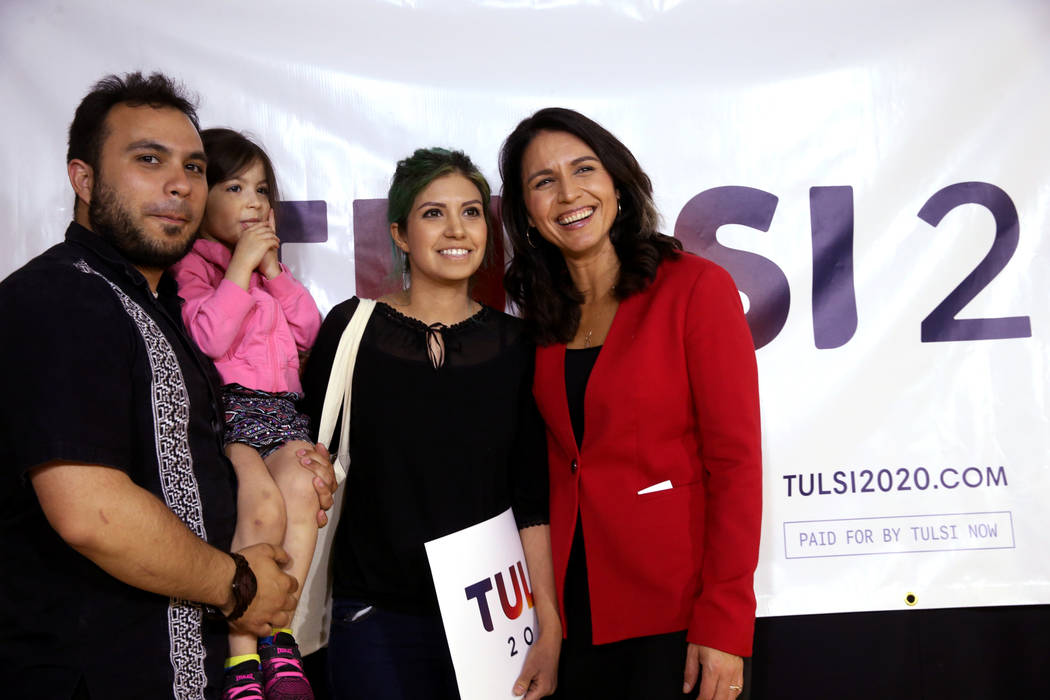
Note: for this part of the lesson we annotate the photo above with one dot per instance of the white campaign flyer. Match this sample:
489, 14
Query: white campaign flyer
485, 596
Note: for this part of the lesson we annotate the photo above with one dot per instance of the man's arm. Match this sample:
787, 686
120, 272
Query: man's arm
134, 537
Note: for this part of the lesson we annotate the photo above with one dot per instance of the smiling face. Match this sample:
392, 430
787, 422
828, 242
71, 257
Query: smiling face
569, 195
236, 203
148, 193
445, 233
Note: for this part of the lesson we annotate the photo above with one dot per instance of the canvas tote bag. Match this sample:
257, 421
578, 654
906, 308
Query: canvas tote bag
314, 614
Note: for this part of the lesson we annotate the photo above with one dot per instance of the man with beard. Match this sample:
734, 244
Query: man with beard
116, 502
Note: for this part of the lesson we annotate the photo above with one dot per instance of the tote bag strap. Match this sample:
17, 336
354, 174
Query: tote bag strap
340, 383
313, 615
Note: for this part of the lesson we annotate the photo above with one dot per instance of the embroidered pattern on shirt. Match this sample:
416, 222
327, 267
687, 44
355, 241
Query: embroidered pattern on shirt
171, 412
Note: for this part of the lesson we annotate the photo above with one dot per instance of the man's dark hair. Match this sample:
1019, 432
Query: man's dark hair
88, 130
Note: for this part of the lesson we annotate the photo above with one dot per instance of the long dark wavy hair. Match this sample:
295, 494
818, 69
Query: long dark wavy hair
537, 279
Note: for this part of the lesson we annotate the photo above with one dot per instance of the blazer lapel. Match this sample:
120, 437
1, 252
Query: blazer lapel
549, 390
605, 385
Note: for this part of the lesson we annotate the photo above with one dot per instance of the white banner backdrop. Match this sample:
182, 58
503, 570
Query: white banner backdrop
875, 172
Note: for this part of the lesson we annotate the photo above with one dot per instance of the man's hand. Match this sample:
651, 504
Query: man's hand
275, 598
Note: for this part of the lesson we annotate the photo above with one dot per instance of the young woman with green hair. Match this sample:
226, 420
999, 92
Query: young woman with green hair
444, 434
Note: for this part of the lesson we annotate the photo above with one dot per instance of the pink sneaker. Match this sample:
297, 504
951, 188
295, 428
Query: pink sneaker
243, 682
282, 668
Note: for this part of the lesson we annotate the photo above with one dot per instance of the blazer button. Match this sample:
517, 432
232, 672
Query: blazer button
574, 466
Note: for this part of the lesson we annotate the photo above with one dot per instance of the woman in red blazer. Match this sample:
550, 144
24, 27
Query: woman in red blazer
647, 380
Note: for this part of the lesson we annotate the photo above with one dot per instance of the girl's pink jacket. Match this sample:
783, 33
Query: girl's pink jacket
254, 337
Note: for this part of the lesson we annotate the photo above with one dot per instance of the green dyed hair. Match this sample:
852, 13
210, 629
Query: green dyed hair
412, 176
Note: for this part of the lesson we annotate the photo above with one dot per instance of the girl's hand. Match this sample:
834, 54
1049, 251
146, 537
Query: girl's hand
270, 267
257, 241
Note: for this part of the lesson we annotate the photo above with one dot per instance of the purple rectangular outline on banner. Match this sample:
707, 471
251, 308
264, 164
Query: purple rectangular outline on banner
303, 221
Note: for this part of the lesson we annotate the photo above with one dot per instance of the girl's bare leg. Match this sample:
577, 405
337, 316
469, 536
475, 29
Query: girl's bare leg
301, 505
260, 516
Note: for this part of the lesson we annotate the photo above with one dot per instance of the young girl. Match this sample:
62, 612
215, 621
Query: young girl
250, 315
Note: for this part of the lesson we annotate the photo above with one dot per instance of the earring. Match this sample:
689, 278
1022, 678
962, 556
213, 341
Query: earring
619, 207
528, 238
406, 272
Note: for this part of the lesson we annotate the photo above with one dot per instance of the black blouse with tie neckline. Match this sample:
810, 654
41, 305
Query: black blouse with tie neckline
434, 449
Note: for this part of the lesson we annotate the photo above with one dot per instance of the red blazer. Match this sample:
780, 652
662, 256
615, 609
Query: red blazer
672, 396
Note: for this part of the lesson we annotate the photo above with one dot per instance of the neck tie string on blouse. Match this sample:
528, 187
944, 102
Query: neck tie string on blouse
436, 344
